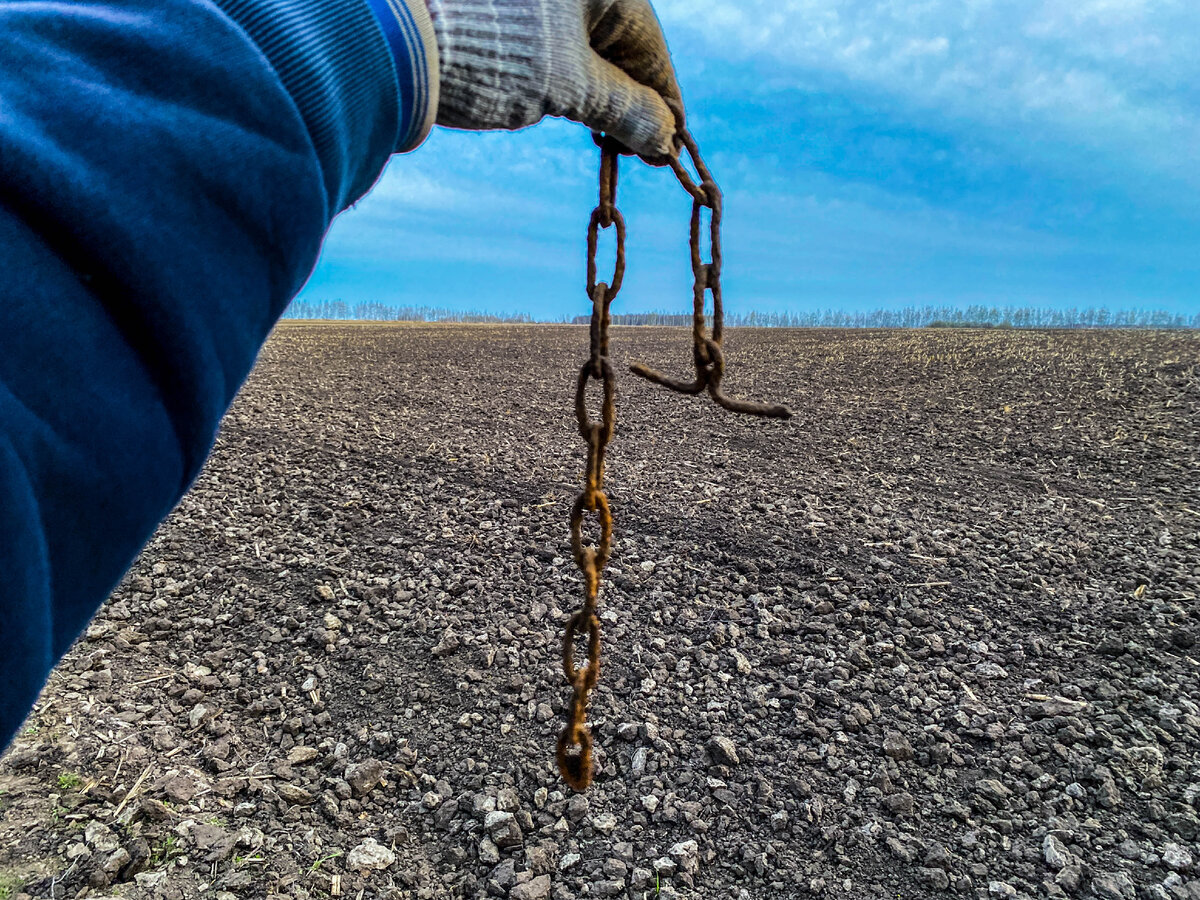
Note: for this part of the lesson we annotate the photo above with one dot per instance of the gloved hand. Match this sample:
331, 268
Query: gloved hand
605, 63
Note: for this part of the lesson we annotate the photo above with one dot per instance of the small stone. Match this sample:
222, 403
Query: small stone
1177, 858
431, 800
1130, 850
198, 714
650, 803
1069, 876
299, 756
448, 644
1117, 886
1107, 794
990, 670
664, 866
627, 731
1056, 706
206, 837
503, 828
568, 861
179, 788
293, 794
503, 876
934, 878
605, 823
100, 837
1056, 854
538, 860
641, 878
115, 862
993, 790
489, 853
900, 804
577, 808
536, 889
686, 855
370, 854
638, 766
154, 810
364, 776
1001, 889
900, 850
615, 868
723, 751
896, 746
507, 800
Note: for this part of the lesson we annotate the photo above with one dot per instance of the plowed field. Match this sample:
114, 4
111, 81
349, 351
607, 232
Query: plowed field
936, 636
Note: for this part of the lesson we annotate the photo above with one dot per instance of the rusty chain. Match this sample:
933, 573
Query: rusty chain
707, 355
574, 748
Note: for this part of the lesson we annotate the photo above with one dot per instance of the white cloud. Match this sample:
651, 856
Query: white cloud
1108, 75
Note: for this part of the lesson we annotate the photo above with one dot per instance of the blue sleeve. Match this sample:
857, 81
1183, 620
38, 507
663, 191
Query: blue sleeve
168, 169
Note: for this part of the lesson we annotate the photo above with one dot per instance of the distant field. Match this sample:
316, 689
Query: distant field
945, 623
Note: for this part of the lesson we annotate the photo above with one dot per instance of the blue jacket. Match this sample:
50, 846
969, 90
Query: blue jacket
168, 169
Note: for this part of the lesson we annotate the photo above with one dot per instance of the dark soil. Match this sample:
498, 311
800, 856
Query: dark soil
936, 636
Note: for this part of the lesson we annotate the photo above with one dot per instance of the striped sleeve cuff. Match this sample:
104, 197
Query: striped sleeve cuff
362, 73
408, 30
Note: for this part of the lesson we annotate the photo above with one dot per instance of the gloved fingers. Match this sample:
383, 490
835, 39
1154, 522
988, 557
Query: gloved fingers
631, 112
628, 34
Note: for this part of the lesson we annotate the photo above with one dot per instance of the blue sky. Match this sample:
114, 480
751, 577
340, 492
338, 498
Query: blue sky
872, 154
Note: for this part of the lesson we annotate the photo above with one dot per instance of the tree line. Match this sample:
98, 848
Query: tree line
382, 312
974, 316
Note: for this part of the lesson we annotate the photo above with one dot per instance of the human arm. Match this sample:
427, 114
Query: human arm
166, 184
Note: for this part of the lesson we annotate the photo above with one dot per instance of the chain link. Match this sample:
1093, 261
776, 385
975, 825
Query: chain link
574, 748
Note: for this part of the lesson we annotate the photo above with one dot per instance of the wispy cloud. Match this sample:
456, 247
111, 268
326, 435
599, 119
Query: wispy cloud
1115, 75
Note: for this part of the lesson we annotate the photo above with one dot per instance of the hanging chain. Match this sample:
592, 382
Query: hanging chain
574, 749
707, 356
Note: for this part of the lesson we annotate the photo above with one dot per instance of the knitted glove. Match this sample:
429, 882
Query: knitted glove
605, 63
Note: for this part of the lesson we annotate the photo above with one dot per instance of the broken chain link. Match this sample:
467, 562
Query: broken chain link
574, 748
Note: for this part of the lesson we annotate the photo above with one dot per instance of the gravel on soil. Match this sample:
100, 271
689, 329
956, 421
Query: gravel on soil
936, 637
